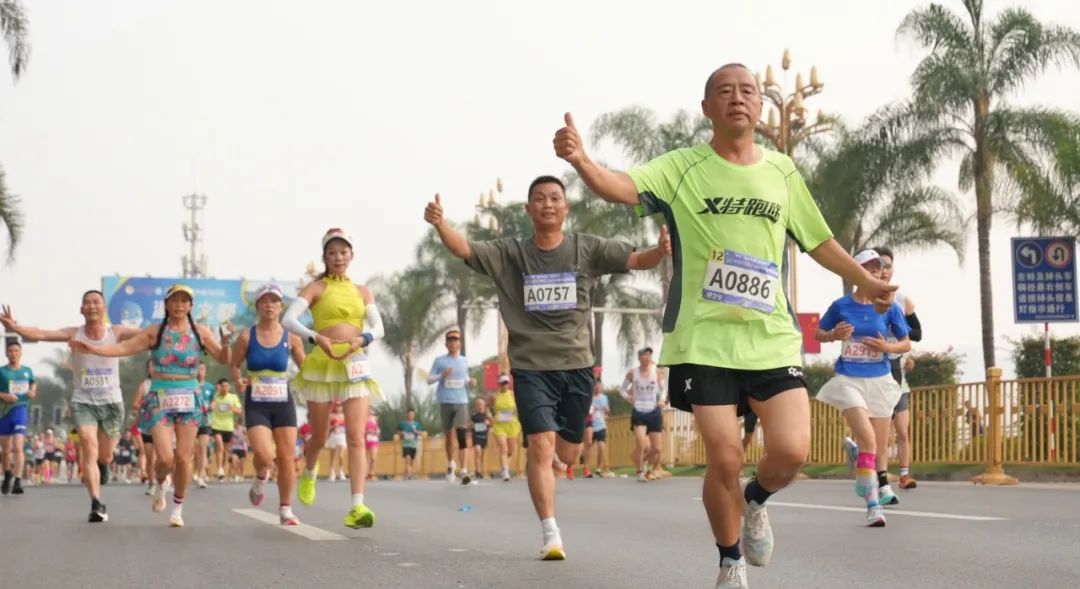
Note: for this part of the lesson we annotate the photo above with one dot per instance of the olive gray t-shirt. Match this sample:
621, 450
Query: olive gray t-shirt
545, 296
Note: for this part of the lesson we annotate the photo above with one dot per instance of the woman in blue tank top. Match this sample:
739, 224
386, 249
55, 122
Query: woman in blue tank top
176, 347
269, 409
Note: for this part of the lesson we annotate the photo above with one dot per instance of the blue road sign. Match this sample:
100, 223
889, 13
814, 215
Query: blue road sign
1044, 279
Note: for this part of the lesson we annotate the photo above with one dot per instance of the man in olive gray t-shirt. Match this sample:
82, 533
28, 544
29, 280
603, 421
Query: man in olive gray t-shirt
544, 285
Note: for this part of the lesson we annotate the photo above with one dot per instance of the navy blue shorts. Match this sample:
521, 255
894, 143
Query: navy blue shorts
653, 421
599, 435
269, 414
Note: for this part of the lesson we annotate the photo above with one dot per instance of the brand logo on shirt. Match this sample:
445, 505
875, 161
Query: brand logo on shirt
753, 207
796, 372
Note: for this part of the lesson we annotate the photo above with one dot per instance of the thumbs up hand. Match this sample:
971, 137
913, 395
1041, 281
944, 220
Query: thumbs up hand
433, 212
568, 145
665, 240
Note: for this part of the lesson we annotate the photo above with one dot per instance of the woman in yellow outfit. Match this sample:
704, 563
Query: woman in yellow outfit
507, 427
346, 321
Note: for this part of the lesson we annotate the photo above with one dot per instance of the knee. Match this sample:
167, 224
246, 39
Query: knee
790, 456
902, 436
263, 457
107, 459
181, 460
355, 440
725, 462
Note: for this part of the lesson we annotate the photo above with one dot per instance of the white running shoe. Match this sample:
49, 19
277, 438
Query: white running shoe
287, 517
158, 498
451, 477
757, 536
641, 478
506, 476
875, 516
150, 488
201, 481
732, 574
176, 518
851, 452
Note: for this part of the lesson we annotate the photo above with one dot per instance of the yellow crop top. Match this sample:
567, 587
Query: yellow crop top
339, 303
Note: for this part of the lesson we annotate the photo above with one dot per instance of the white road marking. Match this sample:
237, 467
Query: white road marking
889, 512
406, 564
309, 532
458, 549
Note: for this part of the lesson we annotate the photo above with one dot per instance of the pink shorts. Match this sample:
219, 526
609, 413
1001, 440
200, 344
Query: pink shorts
370, 445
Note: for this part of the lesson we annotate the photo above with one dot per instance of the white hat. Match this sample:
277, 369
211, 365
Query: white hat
336, 233
504, 379
271, 289
866, 256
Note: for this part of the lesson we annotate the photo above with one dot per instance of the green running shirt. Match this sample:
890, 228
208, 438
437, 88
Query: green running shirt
729, 223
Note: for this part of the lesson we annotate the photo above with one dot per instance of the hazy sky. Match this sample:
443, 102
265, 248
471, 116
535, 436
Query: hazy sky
293, 118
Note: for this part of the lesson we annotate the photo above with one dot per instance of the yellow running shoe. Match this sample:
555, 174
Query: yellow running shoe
553, 552
305, 491
359, 517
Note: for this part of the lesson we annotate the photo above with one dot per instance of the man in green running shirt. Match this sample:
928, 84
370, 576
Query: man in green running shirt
730, 338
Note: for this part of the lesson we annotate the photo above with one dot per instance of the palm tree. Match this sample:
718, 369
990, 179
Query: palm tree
590, 214
461, 286
871, 190
14, 26
412, 305
1017, 159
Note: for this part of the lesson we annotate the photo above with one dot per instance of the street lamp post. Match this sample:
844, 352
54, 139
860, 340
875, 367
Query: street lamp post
786, 126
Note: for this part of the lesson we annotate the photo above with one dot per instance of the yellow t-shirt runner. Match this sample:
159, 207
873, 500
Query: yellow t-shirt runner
222, 417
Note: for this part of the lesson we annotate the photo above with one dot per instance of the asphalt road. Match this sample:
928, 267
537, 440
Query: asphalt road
618, 533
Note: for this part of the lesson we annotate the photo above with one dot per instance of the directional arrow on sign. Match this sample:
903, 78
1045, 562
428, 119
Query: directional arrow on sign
1030, 253
1058, 254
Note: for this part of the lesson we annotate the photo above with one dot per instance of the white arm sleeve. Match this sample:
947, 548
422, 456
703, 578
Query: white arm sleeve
374, 321
291, 320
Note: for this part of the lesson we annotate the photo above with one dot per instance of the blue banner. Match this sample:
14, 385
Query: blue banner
139, 302
1044, 279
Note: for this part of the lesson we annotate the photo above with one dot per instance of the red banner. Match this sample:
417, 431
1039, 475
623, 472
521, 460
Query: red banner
491, 376
808, 322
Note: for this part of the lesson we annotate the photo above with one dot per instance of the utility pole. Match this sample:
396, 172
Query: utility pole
194, 263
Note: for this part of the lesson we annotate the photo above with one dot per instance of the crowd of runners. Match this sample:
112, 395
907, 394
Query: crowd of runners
731, 349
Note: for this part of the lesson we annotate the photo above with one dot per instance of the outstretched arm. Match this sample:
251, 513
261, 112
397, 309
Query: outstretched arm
451, 238
139, 342
35, 333
651, 258
616, 187
831, 256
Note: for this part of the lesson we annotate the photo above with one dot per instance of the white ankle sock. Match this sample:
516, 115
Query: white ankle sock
551, 531
357, 499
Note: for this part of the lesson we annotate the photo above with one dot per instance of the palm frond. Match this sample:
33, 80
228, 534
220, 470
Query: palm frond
11, 217
1022, 47
15, 25
935, 27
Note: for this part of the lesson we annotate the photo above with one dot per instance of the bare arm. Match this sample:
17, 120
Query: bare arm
139, 342
454, 241
8, 398
616, 187
217, 351
239, 356
651, 258
296, 349
7, 319
32, 393
835, 259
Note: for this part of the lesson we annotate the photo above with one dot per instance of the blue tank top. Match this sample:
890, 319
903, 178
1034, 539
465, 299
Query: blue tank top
261, 358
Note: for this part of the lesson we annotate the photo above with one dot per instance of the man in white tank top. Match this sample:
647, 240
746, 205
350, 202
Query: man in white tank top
644, 389
97, 404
